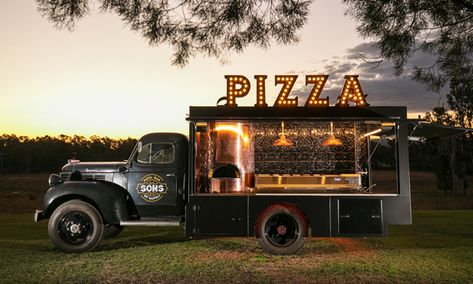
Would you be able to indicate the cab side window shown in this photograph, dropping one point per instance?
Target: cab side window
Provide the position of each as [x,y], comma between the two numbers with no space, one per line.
[156,153]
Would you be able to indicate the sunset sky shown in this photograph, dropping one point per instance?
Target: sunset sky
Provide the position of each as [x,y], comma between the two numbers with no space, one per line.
[104,79]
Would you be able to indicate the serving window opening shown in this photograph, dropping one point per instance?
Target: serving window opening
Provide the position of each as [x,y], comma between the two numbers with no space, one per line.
[296,157]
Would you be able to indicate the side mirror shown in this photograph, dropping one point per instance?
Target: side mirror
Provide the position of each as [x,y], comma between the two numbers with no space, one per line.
[140,147]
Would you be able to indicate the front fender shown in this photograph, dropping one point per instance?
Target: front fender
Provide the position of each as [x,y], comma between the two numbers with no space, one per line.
[113,201]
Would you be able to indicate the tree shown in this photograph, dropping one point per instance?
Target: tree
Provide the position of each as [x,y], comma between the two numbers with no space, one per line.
[460,99]
[450,158]
[193,27]
[48,154]
[442,28]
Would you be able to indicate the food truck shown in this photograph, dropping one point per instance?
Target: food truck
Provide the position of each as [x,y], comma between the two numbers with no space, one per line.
[279,174]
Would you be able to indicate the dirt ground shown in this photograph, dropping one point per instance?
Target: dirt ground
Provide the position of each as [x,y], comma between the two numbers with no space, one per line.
[22,193]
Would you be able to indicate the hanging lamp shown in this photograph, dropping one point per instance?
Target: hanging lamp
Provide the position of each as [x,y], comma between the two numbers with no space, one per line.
[282,141]
[331,140]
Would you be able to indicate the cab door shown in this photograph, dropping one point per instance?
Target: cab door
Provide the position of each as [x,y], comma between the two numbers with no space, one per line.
[154,177]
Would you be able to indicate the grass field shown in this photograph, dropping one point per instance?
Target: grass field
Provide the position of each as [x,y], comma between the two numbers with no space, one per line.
[437,248]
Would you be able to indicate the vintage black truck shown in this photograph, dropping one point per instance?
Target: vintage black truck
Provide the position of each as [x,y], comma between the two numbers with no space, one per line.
[280,174]
[277,174]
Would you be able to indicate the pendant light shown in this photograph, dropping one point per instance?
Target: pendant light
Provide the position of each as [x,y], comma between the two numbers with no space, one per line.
[282,141]
[331,140]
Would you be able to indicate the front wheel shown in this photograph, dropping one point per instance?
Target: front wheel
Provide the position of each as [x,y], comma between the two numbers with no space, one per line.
[75,226]
[281,229]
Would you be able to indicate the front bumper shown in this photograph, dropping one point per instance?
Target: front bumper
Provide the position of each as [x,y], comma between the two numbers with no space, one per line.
[38,215]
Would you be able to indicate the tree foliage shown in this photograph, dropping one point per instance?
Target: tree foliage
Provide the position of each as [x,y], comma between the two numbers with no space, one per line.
[460,100]
[193,27]
[22,154]
[442,28]
[450,158]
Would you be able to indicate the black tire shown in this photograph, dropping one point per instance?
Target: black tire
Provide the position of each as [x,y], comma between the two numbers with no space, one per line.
[281,229]
[75,226]
[111,231]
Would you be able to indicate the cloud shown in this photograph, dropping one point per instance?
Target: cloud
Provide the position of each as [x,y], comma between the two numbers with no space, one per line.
[377,79]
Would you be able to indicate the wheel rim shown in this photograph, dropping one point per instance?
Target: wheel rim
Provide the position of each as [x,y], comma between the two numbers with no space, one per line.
[282,230]
[75,228]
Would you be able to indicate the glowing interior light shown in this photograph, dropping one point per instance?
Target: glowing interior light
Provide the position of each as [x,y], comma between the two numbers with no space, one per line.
[235,129]
[372,132]
[282,141]
[331,140]
[282,99]
[351,92]
[233,92]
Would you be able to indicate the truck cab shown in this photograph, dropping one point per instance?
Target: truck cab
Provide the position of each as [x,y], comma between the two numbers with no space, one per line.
[91,200]
[156,175]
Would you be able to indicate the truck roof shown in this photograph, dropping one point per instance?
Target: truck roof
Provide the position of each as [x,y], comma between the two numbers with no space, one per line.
[206,113]
[164,136]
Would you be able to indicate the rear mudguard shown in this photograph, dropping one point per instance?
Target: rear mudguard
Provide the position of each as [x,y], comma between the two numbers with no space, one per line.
[112,201]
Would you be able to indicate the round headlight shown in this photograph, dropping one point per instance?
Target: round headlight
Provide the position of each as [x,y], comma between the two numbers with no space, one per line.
[54,180]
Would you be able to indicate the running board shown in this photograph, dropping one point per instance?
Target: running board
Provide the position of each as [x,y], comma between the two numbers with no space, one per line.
[151,223]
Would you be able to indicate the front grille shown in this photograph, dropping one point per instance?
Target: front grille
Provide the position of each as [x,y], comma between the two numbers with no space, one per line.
[99,177]
[65,176]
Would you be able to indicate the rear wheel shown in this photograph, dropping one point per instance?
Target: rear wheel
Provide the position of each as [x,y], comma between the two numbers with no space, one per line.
[281,229]
[75,226]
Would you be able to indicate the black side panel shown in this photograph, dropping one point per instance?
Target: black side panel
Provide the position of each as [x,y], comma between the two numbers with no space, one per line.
[315,208]
[360,217]
[213,215]
[144,178]
[110,199]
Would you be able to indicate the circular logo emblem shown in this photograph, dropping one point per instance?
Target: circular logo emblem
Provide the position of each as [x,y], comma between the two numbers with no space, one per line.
[152,188]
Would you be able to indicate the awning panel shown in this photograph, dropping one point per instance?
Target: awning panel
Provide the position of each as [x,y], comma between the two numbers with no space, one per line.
[428,131]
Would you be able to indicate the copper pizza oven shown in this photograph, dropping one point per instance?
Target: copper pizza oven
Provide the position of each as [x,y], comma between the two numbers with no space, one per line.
[226,171]
[226,178]
[234,158]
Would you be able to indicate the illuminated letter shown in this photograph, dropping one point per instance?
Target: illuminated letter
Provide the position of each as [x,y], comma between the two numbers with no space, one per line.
[319,82]
[233,92]
[282,100]
[261,91]
[351,92]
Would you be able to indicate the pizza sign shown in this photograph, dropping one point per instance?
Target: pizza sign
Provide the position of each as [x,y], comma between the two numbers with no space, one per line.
[239,86]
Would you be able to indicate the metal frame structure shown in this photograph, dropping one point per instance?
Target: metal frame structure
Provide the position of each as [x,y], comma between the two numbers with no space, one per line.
[333,214]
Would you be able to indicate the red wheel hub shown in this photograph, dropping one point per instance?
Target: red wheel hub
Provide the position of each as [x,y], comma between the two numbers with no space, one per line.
[281,230]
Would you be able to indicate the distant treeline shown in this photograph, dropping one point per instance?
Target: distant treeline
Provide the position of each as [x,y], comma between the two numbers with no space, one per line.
[22,154]
[450,159]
